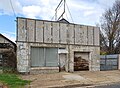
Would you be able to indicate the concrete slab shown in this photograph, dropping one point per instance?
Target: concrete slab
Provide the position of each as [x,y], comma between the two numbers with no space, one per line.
[73,77]
[76,79]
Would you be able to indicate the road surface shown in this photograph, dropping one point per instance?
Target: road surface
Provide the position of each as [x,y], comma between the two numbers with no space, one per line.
[116,85]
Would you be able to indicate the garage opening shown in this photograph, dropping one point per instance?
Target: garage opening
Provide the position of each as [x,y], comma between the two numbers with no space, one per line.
[81,61]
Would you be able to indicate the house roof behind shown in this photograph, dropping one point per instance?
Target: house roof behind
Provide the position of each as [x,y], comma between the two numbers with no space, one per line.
[8,39]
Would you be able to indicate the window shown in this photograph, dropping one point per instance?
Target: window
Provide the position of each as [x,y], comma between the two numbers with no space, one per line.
[44,57]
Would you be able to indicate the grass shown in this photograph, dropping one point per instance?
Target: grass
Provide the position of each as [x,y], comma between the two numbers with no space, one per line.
[13,81]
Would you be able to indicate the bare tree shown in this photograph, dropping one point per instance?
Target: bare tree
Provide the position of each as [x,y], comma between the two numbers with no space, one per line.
[110,29]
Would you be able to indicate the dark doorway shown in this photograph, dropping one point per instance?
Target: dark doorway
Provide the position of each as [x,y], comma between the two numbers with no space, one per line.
[81,62]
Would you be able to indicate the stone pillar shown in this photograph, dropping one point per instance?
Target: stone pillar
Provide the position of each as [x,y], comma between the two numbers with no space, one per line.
[22,58]
[71,59]
[118,61]
[67,60]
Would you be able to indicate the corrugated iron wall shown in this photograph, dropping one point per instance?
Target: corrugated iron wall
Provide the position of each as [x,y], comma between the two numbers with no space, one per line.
[109,62]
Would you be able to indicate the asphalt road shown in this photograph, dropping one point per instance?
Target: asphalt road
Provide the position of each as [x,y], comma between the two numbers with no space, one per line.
[116,85]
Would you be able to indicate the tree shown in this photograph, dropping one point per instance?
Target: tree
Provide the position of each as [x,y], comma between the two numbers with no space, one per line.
[110,29]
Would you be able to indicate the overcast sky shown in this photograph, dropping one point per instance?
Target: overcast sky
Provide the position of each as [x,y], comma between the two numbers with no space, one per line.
[87,12]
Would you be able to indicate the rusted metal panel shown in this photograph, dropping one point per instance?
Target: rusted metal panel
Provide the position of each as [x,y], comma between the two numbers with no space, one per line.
[30,30]
[47,32]
[21,31]
[96,36]
[90,35]
[39,31]
[70,34]
[55,32]
[63,33]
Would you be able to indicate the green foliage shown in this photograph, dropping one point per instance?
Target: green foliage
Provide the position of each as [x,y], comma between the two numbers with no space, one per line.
[103,53]
[8,70]
[13,80]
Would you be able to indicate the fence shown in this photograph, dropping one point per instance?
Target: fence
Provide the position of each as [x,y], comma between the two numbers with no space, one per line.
[1,63]
[109,62]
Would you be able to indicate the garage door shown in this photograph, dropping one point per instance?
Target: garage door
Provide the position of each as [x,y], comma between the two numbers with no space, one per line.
[44,57]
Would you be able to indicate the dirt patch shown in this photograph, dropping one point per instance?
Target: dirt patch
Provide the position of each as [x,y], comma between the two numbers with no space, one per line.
[73,86]
[71,80]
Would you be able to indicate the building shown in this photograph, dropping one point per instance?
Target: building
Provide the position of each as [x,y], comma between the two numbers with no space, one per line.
[7,53]
[52,46]
[6,43]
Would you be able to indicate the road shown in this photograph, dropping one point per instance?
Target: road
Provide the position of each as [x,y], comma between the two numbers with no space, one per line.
[116,85]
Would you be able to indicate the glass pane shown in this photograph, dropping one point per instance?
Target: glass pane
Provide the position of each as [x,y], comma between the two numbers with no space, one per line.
[51,56]
[37,56]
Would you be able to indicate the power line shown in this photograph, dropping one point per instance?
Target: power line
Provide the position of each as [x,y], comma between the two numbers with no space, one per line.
[52,18]
[60,6]
[69,13]
[12,8]
[67,16]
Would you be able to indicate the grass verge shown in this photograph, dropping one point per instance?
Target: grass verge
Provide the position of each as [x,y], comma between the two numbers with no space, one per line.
[13,80]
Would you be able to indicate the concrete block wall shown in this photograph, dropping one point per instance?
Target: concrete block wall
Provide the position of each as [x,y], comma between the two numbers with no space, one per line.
[72,37]
[44,70]
[41,31]
[24,56]
[94,60]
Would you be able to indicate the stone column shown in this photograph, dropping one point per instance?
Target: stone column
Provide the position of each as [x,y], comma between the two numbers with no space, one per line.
[118,61]
[71,59]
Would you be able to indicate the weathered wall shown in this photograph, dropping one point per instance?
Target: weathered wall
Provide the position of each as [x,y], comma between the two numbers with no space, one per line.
[3,40]
[72,37]
[24,56]
[94,63]
[55,32]
[8,43]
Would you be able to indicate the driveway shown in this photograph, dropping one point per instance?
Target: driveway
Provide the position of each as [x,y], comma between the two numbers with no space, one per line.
[71,80]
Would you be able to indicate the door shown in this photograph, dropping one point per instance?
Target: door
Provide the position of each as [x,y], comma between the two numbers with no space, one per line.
[62,61]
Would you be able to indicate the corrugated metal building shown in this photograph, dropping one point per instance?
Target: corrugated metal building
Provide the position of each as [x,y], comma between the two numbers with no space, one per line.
[51,46]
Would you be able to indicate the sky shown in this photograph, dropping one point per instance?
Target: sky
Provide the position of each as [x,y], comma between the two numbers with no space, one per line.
[87,12]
